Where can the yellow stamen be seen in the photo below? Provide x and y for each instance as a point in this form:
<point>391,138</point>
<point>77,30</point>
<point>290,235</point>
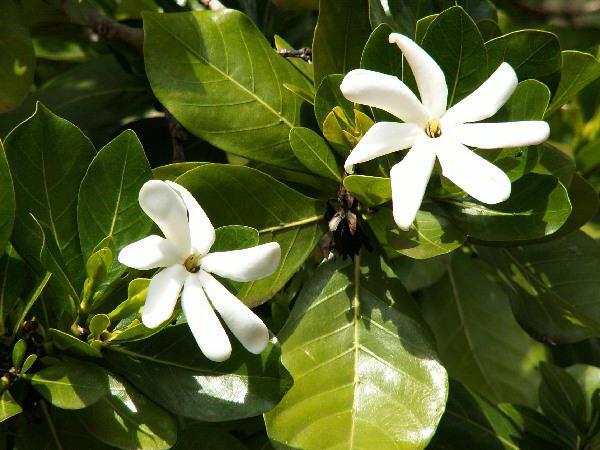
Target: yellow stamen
<point>191,263</point>
<point>433,129</point>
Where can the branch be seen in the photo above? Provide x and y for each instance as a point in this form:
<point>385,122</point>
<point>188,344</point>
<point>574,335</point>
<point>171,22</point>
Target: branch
<point>304,53</point>
<point>213,5</point>
<point>106,27</point>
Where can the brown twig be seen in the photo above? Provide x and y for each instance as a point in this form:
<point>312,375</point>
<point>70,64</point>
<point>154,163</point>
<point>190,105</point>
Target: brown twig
<point>213,5</point>
<point>105,27</point>
<point>304,53</point>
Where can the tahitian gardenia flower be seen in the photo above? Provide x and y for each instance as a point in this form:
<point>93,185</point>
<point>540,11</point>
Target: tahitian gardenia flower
<point>430,130</point>
<point>188,265</point>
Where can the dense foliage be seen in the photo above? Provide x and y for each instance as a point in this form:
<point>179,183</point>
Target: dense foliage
<point>477,327</point>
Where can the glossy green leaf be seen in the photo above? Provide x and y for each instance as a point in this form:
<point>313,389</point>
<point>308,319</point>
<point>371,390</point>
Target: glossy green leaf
<point>477,9</point>
<point>108,198</point>
<point>534,54</point>
<point>170,369</point>
<point>585,203</point>
<point>48,157</point>
<point>70,344</point>
<point>578,70</point>
<point>71,385</point>
<point>538,206</point>
<point>400,15</point>
<point>34,295</point>
<point>455,43</point>
<point>126,419</point>
<point>7,202</point>
<point>29,362</point>
<point>470,421</point>
<point>361,358</point>
<point>553,287</point>
<point>340,34</point>
<point>431,234</point>
<point>8,406</point>
<point>220,62</point>
<point>95,96</point>
<point>371,191</point>
<point>562,401</point>
<point>136,296</point>
<point>478,339</point>
<point>489,29</point>
<point>419,274</point>
<point>234,195</point>
<point>314,153</point>
<point>328,96</point>
<point>588,378</point>
<point>305,68</point>
<point>17,61</point>
<point>170,172</point>
<point>14,276</point>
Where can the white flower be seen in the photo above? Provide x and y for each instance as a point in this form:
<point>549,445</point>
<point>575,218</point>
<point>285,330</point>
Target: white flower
<point>431,131</point>
<point>189,265</point>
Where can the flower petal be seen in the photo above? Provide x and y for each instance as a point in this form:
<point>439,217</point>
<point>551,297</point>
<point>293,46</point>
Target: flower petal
<point>501,135</point>
<point>486,100</point>
<point>409,181</point>
<point>243,323</point>
<point>166,208</point>
<point>244,265</point>
<point>428,74</point>
<point>202,232</point>
<point>381,139</point>
<point>162,295</point>
<point>473,174</point>
<point>150,253</point>
<point>385,92</point>
<point>204,323</point>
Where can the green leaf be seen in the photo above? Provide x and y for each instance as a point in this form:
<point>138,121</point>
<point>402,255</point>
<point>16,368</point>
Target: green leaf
<point>170,369</point>
<point>534,54</point>
<point>14,276</point>
<point>341,33</point>
<point>136,296</point>
<point>7,202</point>
<point>371,191</point>
<point>99,323</point>
<point>234,237</point>
<point>235,195</point>
<point>48,157</point>
<point>170,172</point>
<point>431,234</point>
<point>400,15</point>
<point>455,43</point>
<point>538,206</point>
<point>479,341</point>
<point>477,9</point>
<point>588,157</point>
<point>314,153</point>
<point>29,362</point>
<point>71,385</point>
<point>489,29</point>
<point>578,70</point>
<point>470,421</point>
<point>585,203</point>
<point>305,68</point>
<point>219,62</point>
<point>562,401</point>
<point>329,96</point>
<point>588,378</point>
<point>420,274</point>
<point>18,353</point>
<point>553,287</point>
<point>70,344</point>
<point>108,198</point>
<point>17,61</point>
<point>96,96</point>
<point>128,420</point>
<point>8,406</point>
<point>360,357</point>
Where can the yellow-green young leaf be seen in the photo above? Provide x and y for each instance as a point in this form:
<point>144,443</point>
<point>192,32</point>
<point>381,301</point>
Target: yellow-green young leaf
<point>29,362</point>
<point>329,96</point>
<point>170,172</point>
<point>235,195</point>
<point>136,296</point>
<point>128,420</point>
<point>341,33</point>
<point>218,75</point>
<point>17,61</point>
<point>371,191</point>
<point>578,70</point>
<point>98,324</point>
<point>48,157</point>
<point>169,368</point>
<point>70,344</point>
<point>365,371</point>
<point>18,353</point>
<point>8,406</point>
<point>314,153</point>
<point>479,341</point>
<point>71,385</point>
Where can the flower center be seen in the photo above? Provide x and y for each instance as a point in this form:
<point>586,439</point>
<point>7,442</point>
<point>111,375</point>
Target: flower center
<point>433,129</point>
<point>191,263</point>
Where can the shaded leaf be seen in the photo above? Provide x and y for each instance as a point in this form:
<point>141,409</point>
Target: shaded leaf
<point>314,153</point>
<point>8,406</point>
